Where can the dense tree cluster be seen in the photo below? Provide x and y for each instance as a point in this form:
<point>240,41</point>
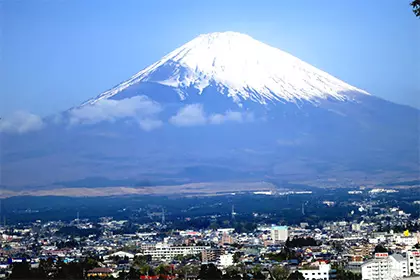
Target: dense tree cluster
<point>301,242</point>
<point>52,270</point>
<point>284,255</point>
<point>380,249</point>
<point>48,269</point>
<point>342,274</point>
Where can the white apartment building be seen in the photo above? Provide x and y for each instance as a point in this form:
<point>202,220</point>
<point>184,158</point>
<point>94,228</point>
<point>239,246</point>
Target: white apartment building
<point>406,240</point>
<point>399,266</point>
<point>413,261</point>
<point>320,272</point>
<point>226,260</point>
<point>279,233</point>
<point>166,251</point>
<point>385,267</point>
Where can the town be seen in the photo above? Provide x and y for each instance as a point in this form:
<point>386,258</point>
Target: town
<point>377,242</point>
<point>209,140</point>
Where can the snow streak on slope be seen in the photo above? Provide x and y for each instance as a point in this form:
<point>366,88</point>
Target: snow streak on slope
<point>241,67</point>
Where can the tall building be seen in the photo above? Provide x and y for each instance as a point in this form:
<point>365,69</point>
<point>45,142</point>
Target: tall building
<point>385,267</point>
<point>210,255</point>
<point>226,239</point>
<point>279,233</point>
<point>167,251</point>
<point>413,260</point>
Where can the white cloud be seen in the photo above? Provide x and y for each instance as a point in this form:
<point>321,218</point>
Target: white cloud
<point>194,114</point>
<point>140,107</point>
<point>57,118</point>
<point>190,115</point>
<point>228,116</point>
<point>150,124</point>
<point>21,122</point>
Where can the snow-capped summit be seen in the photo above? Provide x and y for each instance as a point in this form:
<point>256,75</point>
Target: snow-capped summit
<point>241,67</point>
<point>172,123</point>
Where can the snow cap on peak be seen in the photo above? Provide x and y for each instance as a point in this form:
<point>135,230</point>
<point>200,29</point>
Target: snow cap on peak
<point>225,34</point>
<point>246,69</point>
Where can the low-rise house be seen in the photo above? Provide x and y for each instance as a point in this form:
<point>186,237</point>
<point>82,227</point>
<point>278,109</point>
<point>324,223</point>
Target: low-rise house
<point>100,272</point>
<point>316,271</point>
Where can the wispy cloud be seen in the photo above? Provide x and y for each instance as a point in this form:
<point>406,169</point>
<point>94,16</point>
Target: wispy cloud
<point>190,115</point>
<point>193,114</point>
<point>141,108</point>
<point>231,116</point>
<point>21,122</point>
<point>150,124</point>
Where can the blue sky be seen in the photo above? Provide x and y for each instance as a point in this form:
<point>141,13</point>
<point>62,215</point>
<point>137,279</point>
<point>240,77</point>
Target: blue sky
<point>56,54</point>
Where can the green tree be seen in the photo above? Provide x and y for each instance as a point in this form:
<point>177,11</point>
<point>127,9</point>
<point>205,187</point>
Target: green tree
<point>232,273</point>
<point>69,271</point>
<point>186,270</point>
<point>257,272</point>
<point>144,269</point>
<point>45,267</point>
<point>134,274</point>
<point>214,226</point>
<point>122,275</point>
<point>280,272</point>
<point>342,274</point>
<point>140,261</point>
<point>209,271</point>
<point>296,276</point>
<point>380,249</point>
<point>257,268</point>
<point>162,269</point>
<point>236,257</point>
<point>21,271</point>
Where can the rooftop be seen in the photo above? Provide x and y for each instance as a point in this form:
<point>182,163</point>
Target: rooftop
<point>280,227</point>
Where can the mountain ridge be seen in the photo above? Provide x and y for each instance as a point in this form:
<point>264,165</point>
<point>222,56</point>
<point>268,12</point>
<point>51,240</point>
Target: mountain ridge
<point>143,126</point>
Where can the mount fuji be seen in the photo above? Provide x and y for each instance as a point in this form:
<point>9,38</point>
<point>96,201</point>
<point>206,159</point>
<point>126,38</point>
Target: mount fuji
<point>240,67</point>
<point>223,107</point>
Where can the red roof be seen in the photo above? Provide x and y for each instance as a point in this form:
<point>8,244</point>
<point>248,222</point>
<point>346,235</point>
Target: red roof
<point>147,277</point>
<point>156,277</point>
<point>101,270</point>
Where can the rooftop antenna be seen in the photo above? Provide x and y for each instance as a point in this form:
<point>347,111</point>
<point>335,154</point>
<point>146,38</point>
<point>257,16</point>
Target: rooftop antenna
<point>303,209</point>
